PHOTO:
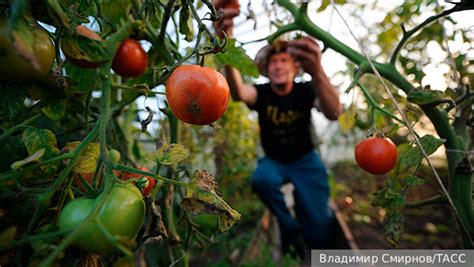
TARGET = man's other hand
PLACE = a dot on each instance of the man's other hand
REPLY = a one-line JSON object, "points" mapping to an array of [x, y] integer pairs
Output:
{"points": [[231, 9], [307, 53]]}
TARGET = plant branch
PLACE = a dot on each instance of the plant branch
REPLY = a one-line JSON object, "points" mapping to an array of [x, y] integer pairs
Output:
{"points": [[17, 173], [439, 199], [376, 106], [125, 168], [15, 128], [410, 33]]}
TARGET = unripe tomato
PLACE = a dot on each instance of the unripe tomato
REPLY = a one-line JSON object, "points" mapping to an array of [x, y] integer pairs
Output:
{"points": [[16, 67], [122, 215], [376, 155], [114, 155], [130, 60], [148, 186], [78, 60], [197, 95]]}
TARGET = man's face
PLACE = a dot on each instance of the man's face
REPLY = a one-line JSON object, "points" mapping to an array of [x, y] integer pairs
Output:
{"points": [[281, 68]]}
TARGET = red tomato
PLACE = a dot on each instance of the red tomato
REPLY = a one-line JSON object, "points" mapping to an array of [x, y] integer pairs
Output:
{"points": [[376, 155], [197, 95], [232, 4], [130, 60], [147, 186]]}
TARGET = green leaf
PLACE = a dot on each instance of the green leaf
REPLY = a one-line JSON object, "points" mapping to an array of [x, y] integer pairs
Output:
{"points": [[36, 139], [393, 228], [431, 143], [389, 199], [116, 11], [85, 8], [84, 79], [169, 154], [237, 58], [412, 156], [412, 180], [87, 161], [12, 101], [33, 157], [186, 22], [202, 198], [83, 48], [55, 111]]}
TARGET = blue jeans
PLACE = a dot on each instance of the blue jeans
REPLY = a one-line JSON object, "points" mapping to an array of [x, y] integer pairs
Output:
{"points": [[309, 178]]}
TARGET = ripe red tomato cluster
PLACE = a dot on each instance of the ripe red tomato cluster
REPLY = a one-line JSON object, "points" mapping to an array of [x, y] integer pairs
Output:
{"points": [[197, 95], [376, 155]]}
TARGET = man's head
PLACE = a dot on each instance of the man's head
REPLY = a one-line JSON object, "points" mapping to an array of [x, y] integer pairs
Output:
{"points": [[275, 63]]}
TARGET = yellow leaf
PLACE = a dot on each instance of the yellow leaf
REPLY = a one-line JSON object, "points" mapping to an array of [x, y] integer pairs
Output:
{"points": [[87, 161], [347, 119], [169, 154]]}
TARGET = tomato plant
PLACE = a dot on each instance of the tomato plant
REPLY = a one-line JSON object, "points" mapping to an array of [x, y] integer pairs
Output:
{"points": [[376, 155], [147, 186], [130, 60], [27, 64], [88, 178], [77, 58], [122, 215], [197, 95]]}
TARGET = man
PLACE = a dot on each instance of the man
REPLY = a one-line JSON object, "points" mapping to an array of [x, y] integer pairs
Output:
{"points": [[284, 112]]}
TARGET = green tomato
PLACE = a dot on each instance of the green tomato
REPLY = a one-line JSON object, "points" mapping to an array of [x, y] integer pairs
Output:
{"points": [[122, 215], [114, 155], [14, 66]]}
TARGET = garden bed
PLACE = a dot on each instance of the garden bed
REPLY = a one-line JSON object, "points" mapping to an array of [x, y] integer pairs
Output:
{"points": [[427, 227]]}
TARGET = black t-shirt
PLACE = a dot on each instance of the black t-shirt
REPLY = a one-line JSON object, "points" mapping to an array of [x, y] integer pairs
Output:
{"points": [[285, 121]]}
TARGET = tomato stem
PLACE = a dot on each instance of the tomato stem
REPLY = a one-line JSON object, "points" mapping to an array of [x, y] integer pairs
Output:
{"points": [[15, 128], [125, 168]]}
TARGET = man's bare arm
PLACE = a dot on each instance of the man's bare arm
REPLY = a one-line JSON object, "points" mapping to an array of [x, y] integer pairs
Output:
{"points": [[238, 89]]}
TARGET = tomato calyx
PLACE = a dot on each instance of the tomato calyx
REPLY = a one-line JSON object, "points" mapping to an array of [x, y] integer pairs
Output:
{"points": [[142, 182]]}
